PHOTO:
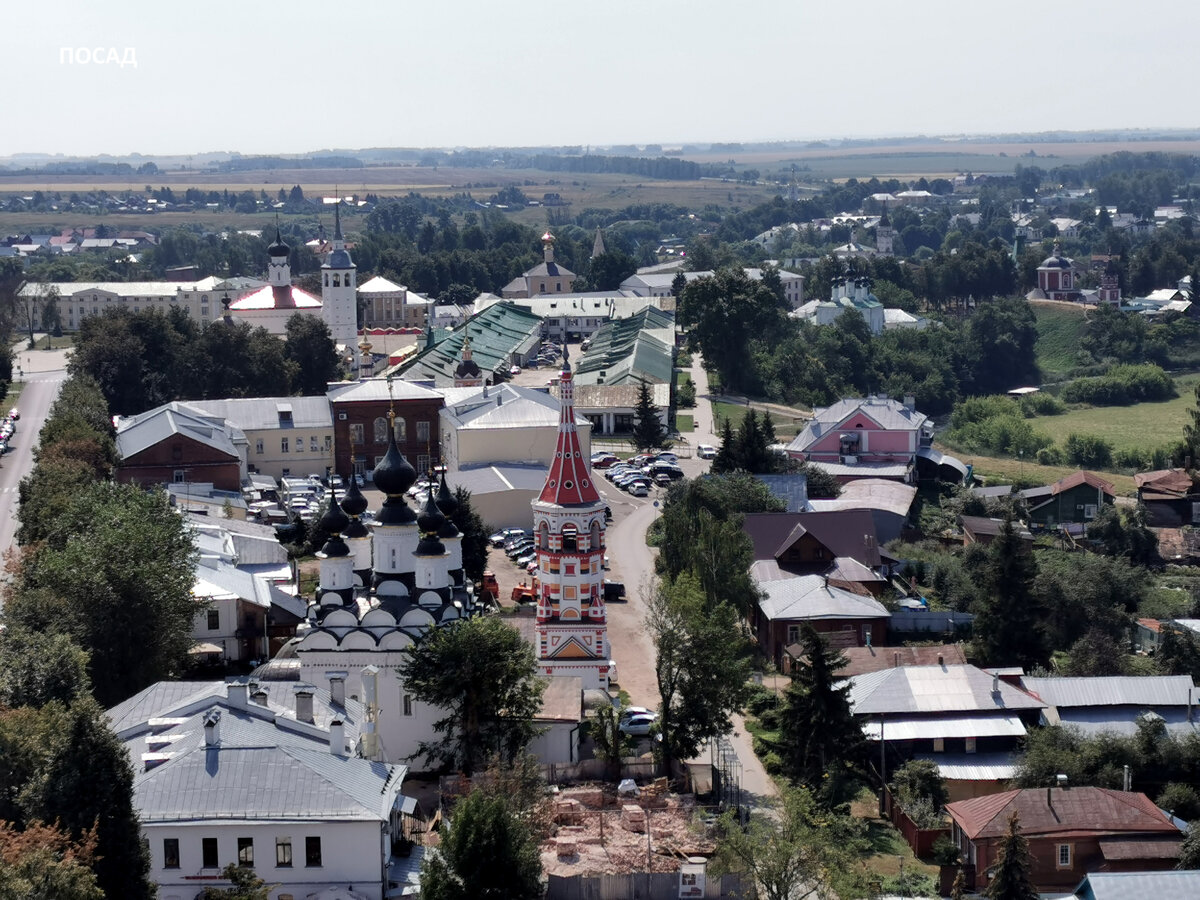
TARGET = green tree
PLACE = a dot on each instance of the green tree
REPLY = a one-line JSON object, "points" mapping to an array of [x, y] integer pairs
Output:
{"points": [[1189, 850], [1012, 877], [310, 347], [115, 573], [919, 779], [797, 851], [817, 729], [474, 531], [608, 270], [41, 862], [1096, 654], [1009, 618], [37, 668], [482, 674], [78, 774], [648, 431], [1177, 652], [244, 885], [701, 666], [485, 851], [609, 742]]}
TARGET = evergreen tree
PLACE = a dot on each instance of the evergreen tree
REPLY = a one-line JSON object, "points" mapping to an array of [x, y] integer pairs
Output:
{"points": [[474, 534], [648, 431], [1011, 876], [485, 851], [1009, 620], [727, 456], [679, 282], [816, 726], [245, 884]]}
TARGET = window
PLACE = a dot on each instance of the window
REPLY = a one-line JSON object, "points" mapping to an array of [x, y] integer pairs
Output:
{"points": [[214, 620], [1064, 856], [356, 433], [423, 463], [793, 634], [939, 745], [401, 429], [423, 431], [179, 476], [381, 430], [283, 445], [258, 446], [283, 852], [171, 853], [312, 443], [328, 442], [312, 851], [245, 851], [407, 704], [971, 746], [1089, 511], [208, 849], [299, 445]]}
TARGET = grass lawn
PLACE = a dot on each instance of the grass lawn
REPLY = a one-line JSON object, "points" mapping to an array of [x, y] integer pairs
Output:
{"points": [[684, 422], [890, 849], [1144, 426], [46, 342], [13, 395], [682, 377], [1059, 328], [722, 411]]}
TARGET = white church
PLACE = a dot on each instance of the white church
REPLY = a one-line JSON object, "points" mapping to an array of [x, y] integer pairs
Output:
{"points": [[382, 589]]}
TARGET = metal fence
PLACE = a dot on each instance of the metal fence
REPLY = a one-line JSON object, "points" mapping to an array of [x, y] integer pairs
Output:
{"points": [[637, 886]]}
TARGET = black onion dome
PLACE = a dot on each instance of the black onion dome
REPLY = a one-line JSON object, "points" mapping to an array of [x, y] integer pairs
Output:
{"points": [[353, 501], [430, 522], [394, 474], [334, 521], [356, 529], [467, 368], [278, 248], [447, 504], [335, 547]]}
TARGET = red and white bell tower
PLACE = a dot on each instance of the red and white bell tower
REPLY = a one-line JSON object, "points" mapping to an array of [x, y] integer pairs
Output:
{"points": [[568, 523]]}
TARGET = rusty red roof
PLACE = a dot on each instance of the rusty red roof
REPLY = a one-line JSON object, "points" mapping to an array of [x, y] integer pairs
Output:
{"points": [[1071, 481], [1047, 811]]}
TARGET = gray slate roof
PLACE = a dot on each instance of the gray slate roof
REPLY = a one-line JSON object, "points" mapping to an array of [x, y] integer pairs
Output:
{"points": [[890, 414], [934, 689]]}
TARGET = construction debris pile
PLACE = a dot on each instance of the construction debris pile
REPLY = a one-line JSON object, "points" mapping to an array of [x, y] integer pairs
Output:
{"points": [[598, 831]]}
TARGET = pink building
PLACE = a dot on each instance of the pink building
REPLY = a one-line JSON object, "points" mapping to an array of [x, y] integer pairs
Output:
{"points": [[874, 437], [1056, 278]]}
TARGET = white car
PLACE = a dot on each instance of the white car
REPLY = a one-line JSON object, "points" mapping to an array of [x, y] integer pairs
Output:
{"points": [[639, 724], [706, 451]]}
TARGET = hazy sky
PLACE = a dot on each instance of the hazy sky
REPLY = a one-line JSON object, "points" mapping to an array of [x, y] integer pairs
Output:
{"points": [[297, 75]]}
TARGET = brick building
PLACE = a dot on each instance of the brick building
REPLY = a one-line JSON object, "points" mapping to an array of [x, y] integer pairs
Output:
{"points": [[360, 424]]}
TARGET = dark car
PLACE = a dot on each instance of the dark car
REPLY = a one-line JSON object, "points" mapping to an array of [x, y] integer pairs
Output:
{"points": [[613, 591]]}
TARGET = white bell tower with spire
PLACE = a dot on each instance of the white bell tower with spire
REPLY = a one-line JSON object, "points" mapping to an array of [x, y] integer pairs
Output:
{"points": [[339, 288]]}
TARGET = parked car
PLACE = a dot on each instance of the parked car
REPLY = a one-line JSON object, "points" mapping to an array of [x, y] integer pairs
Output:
{"points": [[520, 550], [505, 534], [665, 456], [14, 414], [639, 724], [630, 711], [639, 489], [662, 478], [613, 591], [706, 451], [524, 562]]}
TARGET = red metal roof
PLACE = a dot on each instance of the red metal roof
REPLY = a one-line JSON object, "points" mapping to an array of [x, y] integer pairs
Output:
{"points": [[569, 481], [1079, 478], [268, 298], [1087, 810]]}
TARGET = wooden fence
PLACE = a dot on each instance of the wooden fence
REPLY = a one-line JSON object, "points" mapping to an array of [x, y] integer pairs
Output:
{"points": [[637, 886], [920, 839]]}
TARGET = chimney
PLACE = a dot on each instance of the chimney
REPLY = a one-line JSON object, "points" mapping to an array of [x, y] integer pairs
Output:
{"points": [[896, 660], [212, 729], [304, 706], [1062, 782], [1050, 798], [236, 692], [337, 738], [995, 683], [260, 697], [941, 660], [337, 689], [910, 402]]}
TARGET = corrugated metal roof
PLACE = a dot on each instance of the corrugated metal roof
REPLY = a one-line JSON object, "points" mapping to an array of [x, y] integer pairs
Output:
{"points": [[973, 766], [929, 728], [810, 597], [1048, 811], [263, 412], [933, 689], [1171, 885], [1115, 690], [1114, 720], [276, 783]]}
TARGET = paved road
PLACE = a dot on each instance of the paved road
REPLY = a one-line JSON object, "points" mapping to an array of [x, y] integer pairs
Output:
{"points": [[39, 392]]}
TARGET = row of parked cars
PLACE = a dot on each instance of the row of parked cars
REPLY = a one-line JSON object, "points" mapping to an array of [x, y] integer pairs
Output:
{"points": [[8, 428], [639, 473]]}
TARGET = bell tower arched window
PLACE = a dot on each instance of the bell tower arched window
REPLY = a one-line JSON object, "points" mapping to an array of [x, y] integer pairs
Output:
{"points": [[570, 536], [337, 280]]}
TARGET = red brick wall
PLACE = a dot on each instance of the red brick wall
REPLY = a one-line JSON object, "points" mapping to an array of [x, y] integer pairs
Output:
{"points": [[199, 462], [365, 413]]}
